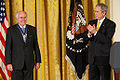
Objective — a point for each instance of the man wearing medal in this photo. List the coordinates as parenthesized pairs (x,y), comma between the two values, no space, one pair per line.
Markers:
(21,49)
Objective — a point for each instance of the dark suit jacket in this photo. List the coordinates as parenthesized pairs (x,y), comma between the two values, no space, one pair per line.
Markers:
(99,50)
(18,52)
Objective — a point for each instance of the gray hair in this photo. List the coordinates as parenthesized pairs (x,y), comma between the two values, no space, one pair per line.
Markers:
(103,7)
(19,12)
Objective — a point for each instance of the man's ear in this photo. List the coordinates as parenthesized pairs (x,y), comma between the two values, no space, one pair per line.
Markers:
(104,13)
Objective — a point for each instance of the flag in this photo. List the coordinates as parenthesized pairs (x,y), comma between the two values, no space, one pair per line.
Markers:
(76,49)
(73,29)
(3,30)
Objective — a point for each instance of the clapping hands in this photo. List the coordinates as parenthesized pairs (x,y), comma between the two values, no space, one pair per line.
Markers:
(91,29)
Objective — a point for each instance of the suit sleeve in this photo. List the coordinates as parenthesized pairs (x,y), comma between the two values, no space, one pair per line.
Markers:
(36,47)
(84,36)
(8,48)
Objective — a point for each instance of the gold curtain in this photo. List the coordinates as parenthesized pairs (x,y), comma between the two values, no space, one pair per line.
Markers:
(51,18)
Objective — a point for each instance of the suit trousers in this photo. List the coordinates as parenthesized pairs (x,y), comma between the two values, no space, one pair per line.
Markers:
(99,70)
(23,74)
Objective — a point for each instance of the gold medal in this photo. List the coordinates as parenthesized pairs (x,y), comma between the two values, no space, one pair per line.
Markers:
(24,36)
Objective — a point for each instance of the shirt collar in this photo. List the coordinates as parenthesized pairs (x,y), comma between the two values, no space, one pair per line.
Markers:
(101,20)
(23,26)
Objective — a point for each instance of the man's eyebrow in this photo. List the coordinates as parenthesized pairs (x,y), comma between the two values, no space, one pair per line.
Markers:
(23,17)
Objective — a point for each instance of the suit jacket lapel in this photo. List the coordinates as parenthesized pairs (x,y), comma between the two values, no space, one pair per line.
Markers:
(102,27)
(103,23)
(28,33)
(18,33)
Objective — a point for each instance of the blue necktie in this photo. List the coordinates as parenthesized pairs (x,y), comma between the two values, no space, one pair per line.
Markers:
(24,34)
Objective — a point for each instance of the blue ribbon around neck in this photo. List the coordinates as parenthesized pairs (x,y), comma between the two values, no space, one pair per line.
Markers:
(23,32)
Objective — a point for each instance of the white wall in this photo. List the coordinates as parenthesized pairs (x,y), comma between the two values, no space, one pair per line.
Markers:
(115,16)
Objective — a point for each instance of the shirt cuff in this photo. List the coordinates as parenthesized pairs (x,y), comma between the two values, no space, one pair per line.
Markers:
(89,36)
(95,34)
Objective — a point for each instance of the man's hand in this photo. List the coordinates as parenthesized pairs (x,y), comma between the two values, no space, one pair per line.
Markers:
(94,30)
(10,67)
(89,34)
(91,29)
(37,66)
